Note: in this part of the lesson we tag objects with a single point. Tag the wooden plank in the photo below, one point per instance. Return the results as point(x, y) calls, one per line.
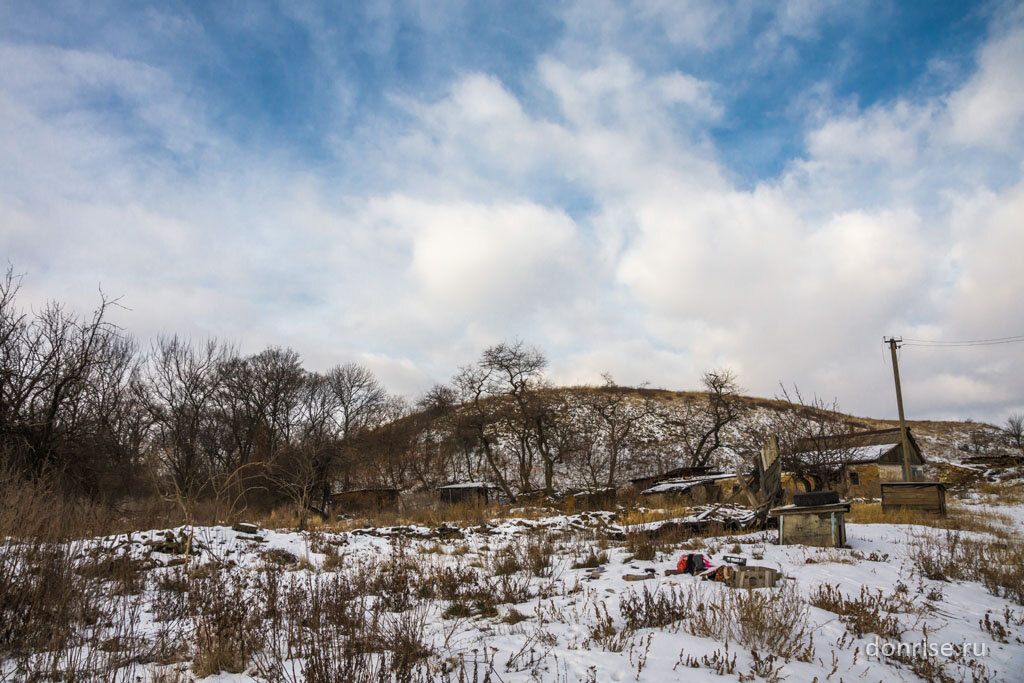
point(771, 470)
point(923, 496)
point(794, 510)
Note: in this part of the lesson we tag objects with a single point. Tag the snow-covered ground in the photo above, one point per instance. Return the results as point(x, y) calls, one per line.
point(573, 624)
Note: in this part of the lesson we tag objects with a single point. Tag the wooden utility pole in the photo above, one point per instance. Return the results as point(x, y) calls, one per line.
point(893, 342)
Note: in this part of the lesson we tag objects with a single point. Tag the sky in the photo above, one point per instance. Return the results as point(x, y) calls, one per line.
point(649, 189)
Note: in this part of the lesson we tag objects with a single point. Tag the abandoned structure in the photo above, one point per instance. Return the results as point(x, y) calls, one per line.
point(642, 483)
point(383, 498)
point(923, 496)
point(470, 493)
point(708, 488)
point(594, 499)
point(866, 459)
point(818, 525)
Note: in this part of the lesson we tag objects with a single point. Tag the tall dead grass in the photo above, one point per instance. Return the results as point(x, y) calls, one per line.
point(948, 555)
point(64, 615)
point(768, 621)
point(958, 518)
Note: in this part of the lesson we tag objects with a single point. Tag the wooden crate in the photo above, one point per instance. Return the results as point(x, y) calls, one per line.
point(754, 577)
point(820, 525)
point(925, 496)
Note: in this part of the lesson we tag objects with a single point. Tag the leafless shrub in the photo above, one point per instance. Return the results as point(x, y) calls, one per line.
point(507, 561)
point(280, 556)
point(450, 583)
point(870, 612)
point(538, 555)
point(127, 573)
point(44, 601)
point(321, 628)
point(227, 627)
point(509, 589)
point(773, 621)
point(950, 556)
point(603, 631)
point(591, 560)
point(718, 661)
point(332, 560)
point(393, 581)
point(640, 545)
point(656, 609)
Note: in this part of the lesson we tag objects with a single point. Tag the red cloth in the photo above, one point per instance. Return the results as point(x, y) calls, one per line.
point(694, 563)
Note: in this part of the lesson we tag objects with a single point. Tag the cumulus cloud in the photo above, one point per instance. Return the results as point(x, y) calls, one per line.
point(469, 260)
point(987, 110)
point(582, 204)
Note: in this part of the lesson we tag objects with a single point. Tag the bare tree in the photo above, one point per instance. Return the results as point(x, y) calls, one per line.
point(296, 473)
point(180, 388)
point(358, 396)
point(441, 448)
point(516, 374)
point(110, 460)
point(303, 469)
point(814, 439)
point(702, 428)
point(618, 416)
point(259, 400)
point(1014, 430)
point(480, 419)
point(55, 367)
point(389, 444)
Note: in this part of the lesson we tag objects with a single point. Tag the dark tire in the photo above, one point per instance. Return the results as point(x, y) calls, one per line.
point(816, 498)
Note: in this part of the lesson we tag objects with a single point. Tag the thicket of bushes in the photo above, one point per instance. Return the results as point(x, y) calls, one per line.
point(86, 406)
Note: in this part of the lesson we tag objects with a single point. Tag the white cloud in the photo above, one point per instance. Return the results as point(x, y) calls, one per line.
point(987, 110)
point(585, 210)
point(891, 134)
point(470, 259)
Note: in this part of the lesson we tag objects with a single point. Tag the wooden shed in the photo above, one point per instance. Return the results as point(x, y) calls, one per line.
point(871, 459)
point(818, 525)
point(470, 493)
point(924, 496)
point(383, 498)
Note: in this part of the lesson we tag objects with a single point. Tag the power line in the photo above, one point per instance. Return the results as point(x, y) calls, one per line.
point(967, 342)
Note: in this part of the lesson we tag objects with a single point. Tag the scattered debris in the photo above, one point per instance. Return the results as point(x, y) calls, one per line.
point(171, 545)
point(649, 573)
point(693, 563)
point(754, 577)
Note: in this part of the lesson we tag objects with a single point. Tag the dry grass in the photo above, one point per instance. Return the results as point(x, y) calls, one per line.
point(948, 555)
point(959, 518)
point(364, 618)
point(591, 560)
point(870, 612)
point(769, 621)
point(1000, 493)
point(227, 626)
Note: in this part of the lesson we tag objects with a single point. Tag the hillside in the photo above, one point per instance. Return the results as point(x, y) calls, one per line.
point(599, 436)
